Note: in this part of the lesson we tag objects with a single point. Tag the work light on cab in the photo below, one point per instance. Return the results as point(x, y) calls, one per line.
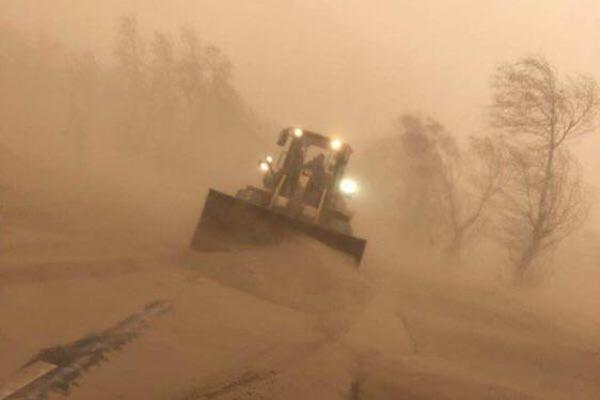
point(348, 186)
point(336, 144)
point(263, 166)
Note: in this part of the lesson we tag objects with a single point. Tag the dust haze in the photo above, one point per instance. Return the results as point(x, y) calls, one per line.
point(474, 128)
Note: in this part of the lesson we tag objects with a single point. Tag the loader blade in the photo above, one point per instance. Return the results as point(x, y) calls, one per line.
point(228, 223)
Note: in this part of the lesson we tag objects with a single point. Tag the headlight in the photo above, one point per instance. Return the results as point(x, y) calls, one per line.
point(264, 166)
point(269, 159)
point(336, 144)
point(348, 186)
point(298, 132)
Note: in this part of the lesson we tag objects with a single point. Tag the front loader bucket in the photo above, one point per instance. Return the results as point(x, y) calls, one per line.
point(229, 223)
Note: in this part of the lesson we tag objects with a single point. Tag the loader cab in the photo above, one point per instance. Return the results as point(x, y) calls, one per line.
point(301, 147)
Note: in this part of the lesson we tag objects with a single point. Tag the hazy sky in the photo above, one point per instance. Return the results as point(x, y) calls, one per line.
point(350, 66)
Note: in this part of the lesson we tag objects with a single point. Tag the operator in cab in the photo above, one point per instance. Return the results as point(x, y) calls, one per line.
point(318, 177)
point(293, 167)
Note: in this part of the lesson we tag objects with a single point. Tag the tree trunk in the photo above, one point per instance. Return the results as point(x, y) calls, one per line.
point(456, 243)
point(526, 259)
point(542, 214)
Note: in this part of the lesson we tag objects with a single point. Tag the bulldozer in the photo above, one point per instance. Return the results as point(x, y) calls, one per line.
point(298, 195)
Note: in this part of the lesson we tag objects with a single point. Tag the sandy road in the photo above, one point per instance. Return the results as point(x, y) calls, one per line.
point(222, 328)
point(264, 325)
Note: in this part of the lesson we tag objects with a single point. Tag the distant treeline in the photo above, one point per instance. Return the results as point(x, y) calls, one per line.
point(167, 98)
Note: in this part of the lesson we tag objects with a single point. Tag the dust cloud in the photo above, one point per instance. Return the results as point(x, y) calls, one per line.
point(117, 117)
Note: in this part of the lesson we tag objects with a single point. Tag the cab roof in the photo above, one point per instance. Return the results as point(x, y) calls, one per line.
point(317, 139)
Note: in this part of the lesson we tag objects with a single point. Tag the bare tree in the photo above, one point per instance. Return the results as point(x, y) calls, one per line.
point(420, 201)
point(470, 182)
point(538, 113)
point(130, 51)
point(219, 74)
point(165, 100)
point(162, 66)
point(192, 66)
point(447, 190)
point(83, 72)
